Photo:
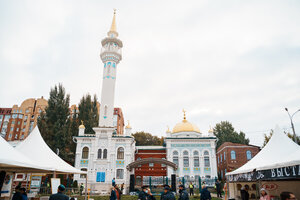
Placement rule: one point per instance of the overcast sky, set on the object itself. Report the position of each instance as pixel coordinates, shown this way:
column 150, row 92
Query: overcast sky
column 219, row 60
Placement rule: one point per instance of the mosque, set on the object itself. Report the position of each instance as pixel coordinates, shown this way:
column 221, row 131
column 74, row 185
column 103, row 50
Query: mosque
column 187, row 153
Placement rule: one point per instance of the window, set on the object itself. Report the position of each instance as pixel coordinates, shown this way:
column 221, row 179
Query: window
column 233, row 155
column 83, row 175
column 137, row 160
column 218, row 160
column 105, row 154
column 221, row 157
column 105, row 110
column 99, row 153
column 120, row 173
column 27, row 111
column 151, row 164
column 19, row 122
column 15, row 116
column 13, row 122
column 224, row 156
column 196, row 159
column 12, row 128
column 249, row 155
column 85, row 153
column 206, row 159
column 120, row 153
column 20, row 116
column 175, row 157
column 185, row 159
column 16, row 136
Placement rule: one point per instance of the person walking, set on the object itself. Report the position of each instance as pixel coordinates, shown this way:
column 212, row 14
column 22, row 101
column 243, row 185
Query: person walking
column 205, row 194
column 168, row 195
column 287, row 196
column 60, row 194
column 263, row 194
column 218, row 189
column 119, row 192
column 146, row 194
column 191, row 186
column 183, row 195
column 18, row 194
column 244, row 193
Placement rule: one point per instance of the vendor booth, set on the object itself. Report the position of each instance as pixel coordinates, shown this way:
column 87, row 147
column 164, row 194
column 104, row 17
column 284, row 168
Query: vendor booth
column 32, row 155
column 276, row 168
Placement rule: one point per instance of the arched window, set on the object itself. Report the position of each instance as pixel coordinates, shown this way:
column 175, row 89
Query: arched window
column 196, row 159
column 249, row 155
column 99, row 153
column 83, row 175
column 175, row 157
column 105, row 154
column 233, row 155
column 85, row 153
column 206, row 159
column 120, row 153
column 185, row 159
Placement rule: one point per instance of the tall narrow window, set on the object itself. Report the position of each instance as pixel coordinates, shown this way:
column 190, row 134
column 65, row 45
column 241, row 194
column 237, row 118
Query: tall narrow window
column 105, row 154
column 175, row 157
column 120, row 173
column 85, row 153
column 185, row 159
column 99, row 153
column 105, row 110
column 206, row 159
column 196, row 159
column 249, row 155
column 224, row 156
column 120, row 153
column 233, row 155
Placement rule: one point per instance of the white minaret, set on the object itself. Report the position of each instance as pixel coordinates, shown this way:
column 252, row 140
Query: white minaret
column 111, row 55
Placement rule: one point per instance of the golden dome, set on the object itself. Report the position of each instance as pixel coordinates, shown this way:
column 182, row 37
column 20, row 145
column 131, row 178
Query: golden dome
column 210, row 130
column 185, row 126
column 168, row 131
column 81, row 126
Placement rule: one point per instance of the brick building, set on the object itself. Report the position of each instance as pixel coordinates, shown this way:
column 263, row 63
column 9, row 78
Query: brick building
column 151, row 169
column 231, row 156
column 24, row 118
column 5, row 114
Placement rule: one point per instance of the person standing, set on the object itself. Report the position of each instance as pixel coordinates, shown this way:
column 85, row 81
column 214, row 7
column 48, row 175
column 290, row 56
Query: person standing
column 113, row 182
column 113, row 194
column 119, row 192
column 168, row 195
column 205, row 194
column 218, row 189
column 122, row 187
column 244, row 193
column 191, row 186
column 60, row 194
column 263, row 194
column 24, row 195
column 183, row 195
column 146, row 194
column 81, row 188
column 18, row 194
column 287, row 196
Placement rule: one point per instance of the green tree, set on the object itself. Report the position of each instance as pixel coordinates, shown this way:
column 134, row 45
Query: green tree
column 268, row 137
column 144, row 139
column 225, row 132
column 54, row 123
column 88, row 113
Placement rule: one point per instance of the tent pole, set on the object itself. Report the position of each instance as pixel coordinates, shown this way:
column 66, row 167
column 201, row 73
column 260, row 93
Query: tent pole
column 54, row 174
column 85, row 196
column 11, row 187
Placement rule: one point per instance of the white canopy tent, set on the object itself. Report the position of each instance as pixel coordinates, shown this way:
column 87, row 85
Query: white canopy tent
column 280, row 151
column 36, row 149
column 12, row 160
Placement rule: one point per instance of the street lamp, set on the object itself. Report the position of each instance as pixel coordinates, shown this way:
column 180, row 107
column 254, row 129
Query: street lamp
column 291, row 118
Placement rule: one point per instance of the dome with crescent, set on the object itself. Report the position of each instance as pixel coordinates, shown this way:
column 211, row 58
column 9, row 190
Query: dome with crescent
column 185, row 126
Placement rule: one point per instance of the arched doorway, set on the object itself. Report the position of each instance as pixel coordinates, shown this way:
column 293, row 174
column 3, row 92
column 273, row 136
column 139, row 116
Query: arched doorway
column 147, row 179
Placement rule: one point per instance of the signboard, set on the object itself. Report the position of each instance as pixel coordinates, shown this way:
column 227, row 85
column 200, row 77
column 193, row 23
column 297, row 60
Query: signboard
column 6, row 188
column 55, row 182
column 290, row 172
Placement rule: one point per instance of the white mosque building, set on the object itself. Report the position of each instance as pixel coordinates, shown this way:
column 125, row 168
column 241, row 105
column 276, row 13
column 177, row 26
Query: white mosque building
column 105, row 155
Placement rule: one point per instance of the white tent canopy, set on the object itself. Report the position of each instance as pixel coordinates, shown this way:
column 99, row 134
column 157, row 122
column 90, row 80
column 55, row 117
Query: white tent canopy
column 36, row 149
column 13, row 160
column 280, row 151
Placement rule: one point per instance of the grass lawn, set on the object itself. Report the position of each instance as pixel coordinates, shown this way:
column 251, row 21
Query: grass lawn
column 128, row 197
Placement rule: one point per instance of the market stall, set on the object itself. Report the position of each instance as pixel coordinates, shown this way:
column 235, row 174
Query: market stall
column 276, row 168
